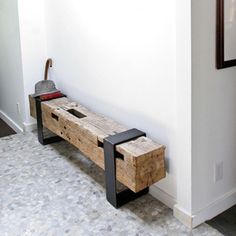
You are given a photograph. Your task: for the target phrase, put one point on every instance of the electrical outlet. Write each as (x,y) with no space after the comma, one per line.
(18,107)
(219,171)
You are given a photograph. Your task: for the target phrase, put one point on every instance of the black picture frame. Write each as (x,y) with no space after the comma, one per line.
(220,38)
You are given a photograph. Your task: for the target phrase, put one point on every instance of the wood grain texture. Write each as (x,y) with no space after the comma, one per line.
(143,160)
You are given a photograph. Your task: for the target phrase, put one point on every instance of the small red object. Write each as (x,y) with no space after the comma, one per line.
(51,96)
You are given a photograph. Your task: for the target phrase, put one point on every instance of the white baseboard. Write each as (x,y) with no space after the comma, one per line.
(183,216)
(10,122)
(215,208)
(162,196)
(28,127)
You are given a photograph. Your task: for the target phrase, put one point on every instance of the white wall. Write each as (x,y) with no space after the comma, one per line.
(11,79)
(33,47)
(183,110)
(118,58)
(23,53)
(214,117)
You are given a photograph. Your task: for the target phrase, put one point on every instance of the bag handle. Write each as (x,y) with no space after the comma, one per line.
(48,63)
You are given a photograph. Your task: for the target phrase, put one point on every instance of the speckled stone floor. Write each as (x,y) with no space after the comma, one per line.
(53,190)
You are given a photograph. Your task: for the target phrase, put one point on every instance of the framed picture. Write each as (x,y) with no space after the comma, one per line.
(226,34)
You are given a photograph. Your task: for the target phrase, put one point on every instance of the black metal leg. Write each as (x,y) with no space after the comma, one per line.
(123,197)
(42,140)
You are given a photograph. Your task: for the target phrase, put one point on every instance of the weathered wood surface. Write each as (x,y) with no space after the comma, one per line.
(143,160)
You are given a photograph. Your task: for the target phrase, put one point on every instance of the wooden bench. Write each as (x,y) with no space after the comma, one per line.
(141,161)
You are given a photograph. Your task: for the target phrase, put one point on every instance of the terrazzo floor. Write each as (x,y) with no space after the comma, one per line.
(53,190)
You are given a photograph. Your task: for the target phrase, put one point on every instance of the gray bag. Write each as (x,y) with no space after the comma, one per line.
(45,86)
